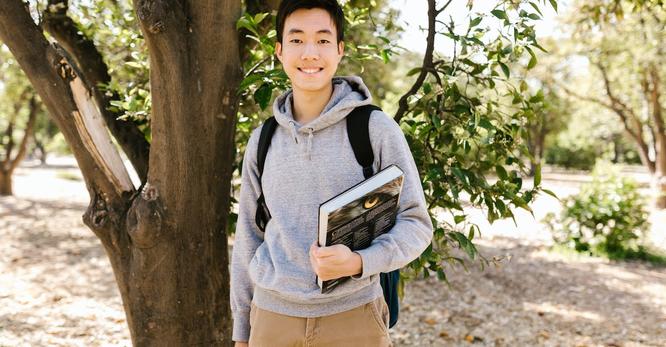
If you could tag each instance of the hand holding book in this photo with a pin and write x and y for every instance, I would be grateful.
(335, 261)
(352, 219)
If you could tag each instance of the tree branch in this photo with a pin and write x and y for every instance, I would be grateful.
(636, 135)
(56, 81)
(628, 115)
(95, 72)
(27, 133)
(403, 104)
(9, 133)
(658, 119)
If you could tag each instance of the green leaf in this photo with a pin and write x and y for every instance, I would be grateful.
(536, 8)
(243, 22)
(414, 71)
(484, 123)
(532, 63)
(262, 95)
(385, 56)
(134, 64)
(259, 17)
(537, 175)
(505, 69)
(538, 97)
(458, 173)
(474, 22)
(501, 172)
(459, 219)
(385, 39)
(248, 81)
(499, 14)
(441, 275)
(501, 207)
(554, 4)
(533, 58)
(427, 88)
(549, 192)
(464, 243)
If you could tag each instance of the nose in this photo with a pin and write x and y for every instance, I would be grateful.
(310, 51)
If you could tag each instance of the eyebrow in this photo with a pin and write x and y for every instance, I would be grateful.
(299, 31)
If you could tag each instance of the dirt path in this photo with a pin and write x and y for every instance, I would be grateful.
(57, 288)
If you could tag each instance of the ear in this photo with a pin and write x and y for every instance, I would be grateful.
(341, 50)
(278, 51)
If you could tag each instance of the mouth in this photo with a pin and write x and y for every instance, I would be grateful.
(310, 71)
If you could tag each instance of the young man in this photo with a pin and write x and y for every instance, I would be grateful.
(275, 299)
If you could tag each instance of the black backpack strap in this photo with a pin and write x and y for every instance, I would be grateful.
(263, 215)
(359, 136)
(265, 137)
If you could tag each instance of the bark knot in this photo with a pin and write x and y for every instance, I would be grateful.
(65, 70)
(157, 27)
(97, 215)
(144, 219)
(151, 13)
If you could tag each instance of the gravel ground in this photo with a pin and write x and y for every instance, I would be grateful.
(57, 288)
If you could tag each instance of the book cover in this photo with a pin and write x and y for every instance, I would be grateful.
(358, 215)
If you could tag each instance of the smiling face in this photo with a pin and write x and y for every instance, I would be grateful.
(309, 52)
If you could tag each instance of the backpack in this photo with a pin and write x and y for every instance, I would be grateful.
(359, 137)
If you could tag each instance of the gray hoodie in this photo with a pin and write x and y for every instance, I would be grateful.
(305, 166)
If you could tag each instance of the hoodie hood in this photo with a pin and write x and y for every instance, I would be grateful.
(348, 93)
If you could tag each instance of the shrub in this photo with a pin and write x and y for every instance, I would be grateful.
(570, 157)
(607, 218)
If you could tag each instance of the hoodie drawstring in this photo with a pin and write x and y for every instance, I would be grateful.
(293, 131)
(294, 134)
(309, 146)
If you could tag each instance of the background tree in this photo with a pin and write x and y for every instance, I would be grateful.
(44, 138)
(626, 48)
(19, 108)
(550, 119)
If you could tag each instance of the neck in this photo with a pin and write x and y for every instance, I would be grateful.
(308, 105)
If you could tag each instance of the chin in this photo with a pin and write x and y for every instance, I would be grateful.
(312, 86)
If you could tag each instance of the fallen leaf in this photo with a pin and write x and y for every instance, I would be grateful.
(430, 321)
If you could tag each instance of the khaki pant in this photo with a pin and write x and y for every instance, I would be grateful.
(366, 325)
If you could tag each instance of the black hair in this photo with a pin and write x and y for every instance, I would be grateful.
(288, 7)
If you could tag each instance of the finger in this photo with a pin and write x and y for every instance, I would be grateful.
(326, 251)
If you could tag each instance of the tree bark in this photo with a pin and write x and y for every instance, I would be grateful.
(166, 242)
(659, 132)
(5, 183)
(82, 49)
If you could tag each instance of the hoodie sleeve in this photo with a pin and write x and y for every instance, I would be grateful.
(412, 232)
(247, 239)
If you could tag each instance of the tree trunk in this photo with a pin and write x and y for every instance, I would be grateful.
(660, 136)
(166, 242)
(8, 166)
(42, 151)
(5, 183)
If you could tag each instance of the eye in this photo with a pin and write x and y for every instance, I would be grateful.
(295, 41)
(324, 41)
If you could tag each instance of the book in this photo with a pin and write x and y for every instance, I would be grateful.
(358, 215)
